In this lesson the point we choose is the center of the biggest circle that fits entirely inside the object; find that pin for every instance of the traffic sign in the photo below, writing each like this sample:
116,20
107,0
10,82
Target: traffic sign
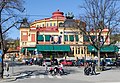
0,52
0,60
1,56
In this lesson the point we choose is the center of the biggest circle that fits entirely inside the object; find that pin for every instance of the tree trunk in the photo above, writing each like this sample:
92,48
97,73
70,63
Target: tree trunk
98,53
2,48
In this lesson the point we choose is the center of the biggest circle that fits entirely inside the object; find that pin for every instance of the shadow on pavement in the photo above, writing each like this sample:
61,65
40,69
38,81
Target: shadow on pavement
28,74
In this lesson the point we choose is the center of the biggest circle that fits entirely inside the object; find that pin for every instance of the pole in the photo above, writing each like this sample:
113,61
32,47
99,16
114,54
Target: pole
2,48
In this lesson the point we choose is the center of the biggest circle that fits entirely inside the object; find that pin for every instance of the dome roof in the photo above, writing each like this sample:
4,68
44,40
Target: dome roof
57,14
24,23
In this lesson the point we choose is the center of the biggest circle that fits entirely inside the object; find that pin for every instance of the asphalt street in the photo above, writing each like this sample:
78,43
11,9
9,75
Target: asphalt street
36,74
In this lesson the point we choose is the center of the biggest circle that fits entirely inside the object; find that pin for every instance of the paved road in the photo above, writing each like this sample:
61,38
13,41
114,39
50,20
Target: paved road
34,73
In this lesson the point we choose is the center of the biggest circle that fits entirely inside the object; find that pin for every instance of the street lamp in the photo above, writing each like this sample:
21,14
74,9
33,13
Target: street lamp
93,51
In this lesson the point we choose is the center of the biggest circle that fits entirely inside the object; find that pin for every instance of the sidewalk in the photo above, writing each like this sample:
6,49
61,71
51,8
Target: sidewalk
112,75
8,79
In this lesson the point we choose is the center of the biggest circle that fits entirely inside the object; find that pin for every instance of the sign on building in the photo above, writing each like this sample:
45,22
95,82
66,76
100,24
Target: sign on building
0,56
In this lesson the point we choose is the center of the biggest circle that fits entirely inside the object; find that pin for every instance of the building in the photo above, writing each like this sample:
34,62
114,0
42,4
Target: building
55,36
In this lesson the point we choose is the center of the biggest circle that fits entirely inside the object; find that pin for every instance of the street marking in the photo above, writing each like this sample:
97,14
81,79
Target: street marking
41,76
33,76
59,77
50,76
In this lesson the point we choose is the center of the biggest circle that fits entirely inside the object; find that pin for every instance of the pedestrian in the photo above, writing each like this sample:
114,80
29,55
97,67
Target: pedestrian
35,60
46,68
93,68
7,68
86,72
103,65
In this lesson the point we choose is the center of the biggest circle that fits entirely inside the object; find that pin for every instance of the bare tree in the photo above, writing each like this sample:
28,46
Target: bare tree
9,10
99,15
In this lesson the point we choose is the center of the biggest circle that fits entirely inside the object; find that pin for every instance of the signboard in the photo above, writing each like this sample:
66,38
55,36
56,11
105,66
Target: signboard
0,52
0,56
0,60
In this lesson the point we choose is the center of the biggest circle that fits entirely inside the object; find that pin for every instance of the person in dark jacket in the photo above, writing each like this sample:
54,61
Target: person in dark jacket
87,69
7,68
103,65
93,68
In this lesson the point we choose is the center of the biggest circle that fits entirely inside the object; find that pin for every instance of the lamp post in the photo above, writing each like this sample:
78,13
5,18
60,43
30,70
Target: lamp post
93,51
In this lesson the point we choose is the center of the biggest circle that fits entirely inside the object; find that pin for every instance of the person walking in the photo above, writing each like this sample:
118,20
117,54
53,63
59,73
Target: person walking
93,68
46,68
103,65
7,68
86,72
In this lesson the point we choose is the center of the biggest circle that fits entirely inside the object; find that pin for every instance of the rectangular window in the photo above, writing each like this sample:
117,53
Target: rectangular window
47,37
24,33
33,37
40,38
65,37
76,37
71,38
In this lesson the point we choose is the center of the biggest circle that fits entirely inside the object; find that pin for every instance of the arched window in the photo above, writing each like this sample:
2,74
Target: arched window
47,24
54,24
50,24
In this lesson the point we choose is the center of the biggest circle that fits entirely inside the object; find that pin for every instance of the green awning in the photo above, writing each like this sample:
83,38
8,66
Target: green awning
91,48
40,38
47,37
31,48
71,37
53,48
61,48
44,47
28,49
111,48
22,50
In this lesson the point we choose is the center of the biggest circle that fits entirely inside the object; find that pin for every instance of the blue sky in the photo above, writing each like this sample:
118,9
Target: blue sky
44,8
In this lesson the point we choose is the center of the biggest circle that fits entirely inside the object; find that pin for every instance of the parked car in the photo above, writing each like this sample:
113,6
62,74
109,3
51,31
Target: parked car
66,62
47,62
117,63
39,61
109,62
80,62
